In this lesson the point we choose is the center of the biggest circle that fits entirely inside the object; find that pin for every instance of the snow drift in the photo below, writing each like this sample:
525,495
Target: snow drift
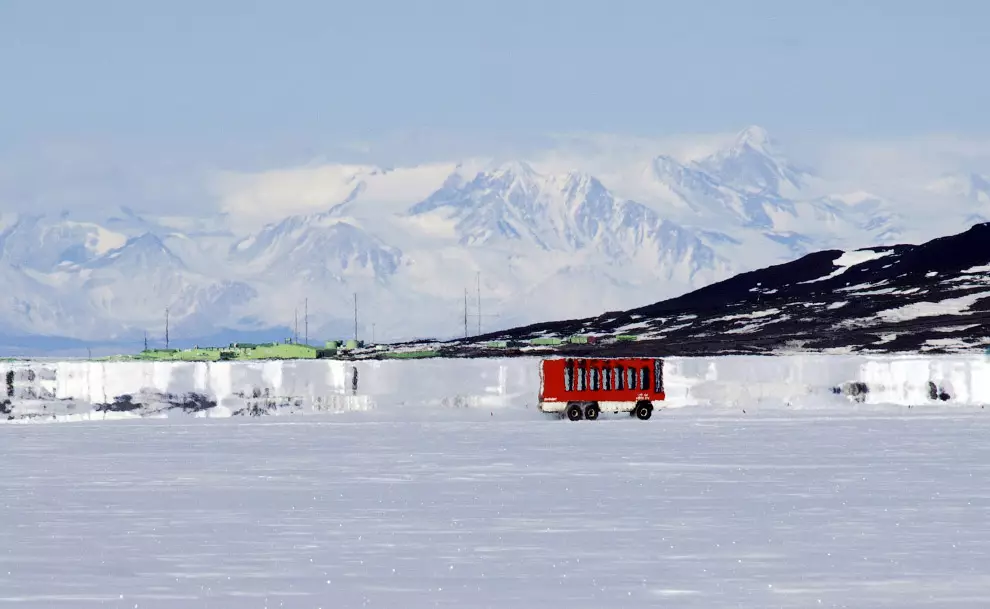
86,390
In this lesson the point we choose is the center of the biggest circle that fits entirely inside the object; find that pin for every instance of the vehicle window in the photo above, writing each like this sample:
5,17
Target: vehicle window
569,375
631,374
644,378
595,379
658,375
607,378
580,377
620,377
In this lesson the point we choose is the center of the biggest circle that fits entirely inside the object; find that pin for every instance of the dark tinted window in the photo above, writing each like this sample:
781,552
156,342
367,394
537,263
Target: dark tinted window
658,375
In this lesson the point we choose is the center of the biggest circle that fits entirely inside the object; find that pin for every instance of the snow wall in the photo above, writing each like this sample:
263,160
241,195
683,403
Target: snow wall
85,390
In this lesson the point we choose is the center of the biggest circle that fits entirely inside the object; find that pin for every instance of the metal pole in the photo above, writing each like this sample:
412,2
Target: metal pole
166,327
479,303
295,332
355,316
465,313
307,321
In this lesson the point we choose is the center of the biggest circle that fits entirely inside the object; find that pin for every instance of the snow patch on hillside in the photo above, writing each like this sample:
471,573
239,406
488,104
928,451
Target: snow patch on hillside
949,306
848,260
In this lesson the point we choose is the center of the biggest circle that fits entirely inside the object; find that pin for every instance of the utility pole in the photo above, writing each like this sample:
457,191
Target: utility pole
166,327
145,340
306,322
465,313
372,334
295,332
355,316
479,303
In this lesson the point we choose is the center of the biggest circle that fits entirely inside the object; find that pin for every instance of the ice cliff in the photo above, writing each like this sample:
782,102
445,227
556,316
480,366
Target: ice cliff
86,390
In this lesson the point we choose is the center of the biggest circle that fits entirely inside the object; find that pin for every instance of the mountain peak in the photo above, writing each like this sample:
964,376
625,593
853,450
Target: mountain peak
145,251
755,137
513,169
754,165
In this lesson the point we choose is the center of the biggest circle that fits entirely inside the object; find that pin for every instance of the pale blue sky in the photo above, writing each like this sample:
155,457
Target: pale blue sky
264,69
223,80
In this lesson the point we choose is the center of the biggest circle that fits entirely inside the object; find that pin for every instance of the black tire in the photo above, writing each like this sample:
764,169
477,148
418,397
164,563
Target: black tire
574,412
644,410
591,411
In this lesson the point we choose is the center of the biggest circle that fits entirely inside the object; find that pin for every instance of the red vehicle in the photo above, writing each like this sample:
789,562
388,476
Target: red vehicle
584,387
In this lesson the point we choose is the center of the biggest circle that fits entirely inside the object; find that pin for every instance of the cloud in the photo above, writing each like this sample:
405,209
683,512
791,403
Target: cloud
254,199
89,177
254,186
607,153
900,168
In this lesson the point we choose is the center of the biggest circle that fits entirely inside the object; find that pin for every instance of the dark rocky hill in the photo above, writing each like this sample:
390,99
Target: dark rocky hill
933,297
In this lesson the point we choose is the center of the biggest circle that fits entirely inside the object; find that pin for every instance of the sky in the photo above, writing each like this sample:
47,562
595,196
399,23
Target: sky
123,100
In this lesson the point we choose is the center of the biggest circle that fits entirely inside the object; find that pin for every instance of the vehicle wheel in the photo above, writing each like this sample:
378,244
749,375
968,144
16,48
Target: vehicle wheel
574,412
591,411
644,410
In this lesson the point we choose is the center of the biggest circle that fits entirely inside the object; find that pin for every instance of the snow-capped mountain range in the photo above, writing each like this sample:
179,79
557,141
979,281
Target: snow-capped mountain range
413,243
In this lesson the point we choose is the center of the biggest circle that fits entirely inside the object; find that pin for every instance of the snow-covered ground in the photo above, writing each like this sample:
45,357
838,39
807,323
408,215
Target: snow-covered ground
469,509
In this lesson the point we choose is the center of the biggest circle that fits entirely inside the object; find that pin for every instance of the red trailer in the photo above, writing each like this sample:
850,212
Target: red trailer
584,387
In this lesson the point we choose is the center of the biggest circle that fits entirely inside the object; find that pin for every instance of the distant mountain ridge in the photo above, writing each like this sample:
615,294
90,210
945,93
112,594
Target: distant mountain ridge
543,244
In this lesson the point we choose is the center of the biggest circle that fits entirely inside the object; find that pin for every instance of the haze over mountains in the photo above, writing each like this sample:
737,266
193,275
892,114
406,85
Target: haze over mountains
548,242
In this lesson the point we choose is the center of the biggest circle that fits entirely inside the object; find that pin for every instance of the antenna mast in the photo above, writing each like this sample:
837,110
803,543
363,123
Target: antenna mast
306,322
166,327
355,316
479,303
465,313
295,332
145,340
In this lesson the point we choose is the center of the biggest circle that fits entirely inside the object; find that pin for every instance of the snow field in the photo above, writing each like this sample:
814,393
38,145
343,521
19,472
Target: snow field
690,509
